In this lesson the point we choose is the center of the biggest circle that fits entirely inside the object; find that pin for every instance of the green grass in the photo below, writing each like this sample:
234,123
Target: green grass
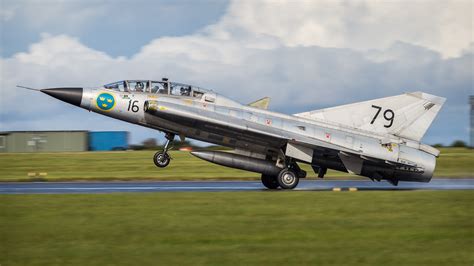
139,165
455,162
239,228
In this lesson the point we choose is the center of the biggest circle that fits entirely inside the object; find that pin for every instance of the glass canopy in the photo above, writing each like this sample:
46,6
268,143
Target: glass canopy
159,87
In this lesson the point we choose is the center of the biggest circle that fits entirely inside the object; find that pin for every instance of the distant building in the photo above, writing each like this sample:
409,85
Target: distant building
62,141
471,143
108,141
43,141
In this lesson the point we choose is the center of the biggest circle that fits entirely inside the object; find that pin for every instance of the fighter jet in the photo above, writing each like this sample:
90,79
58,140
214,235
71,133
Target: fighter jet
378,139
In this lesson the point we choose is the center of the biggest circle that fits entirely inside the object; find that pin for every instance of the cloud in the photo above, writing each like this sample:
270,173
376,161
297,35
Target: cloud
58,51
444,26
7,13
117,27
57,13
249,53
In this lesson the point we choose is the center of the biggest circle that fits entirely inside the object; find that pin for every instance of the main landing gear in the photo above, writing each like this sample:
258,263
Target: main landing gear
162,158
270,181
287,178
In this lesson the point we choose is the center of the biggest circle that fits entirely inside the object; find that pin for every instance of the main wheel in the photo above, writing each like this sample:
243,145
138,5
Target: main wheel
287,179
270,181
161,159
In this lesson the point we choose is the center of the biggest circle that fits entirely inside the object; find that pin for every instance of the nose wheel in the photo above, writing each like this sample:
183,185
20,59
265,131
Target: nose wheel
162,158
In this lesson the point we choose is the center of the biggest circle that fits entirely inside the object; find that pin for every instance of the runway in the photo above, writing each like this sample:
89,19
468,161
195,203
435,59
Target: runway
176,186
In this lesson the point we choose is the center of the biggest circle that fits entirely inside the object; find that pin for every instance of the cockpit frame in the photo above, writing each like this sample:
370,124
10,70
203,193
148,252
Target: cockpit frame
159,87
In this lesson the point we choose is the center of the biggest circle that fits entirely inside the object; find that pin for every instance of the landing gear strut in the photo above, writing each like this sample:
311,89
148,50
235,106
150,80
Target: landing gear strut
162,158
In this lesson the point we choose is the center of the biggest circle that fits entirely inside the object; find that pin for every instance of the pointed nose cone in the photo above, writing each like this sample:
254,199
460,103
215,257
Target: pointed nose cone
69,95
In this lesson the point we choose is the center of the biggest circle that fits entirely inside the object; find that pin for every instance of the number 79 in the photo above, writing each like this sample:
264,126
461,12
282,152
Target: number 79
388,115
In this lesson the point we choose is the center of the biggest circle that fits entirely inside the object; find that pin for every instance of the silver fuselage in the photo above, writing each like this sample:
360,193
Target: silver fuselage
263,134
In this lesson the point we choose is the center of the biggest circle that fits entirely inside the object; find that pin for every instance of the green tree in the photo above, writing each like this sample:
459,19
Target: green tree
459,144
149,143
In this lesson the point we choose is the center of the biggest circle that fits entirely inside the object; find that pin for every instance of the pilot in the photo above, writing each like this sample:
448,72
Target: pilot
188,91
185,91
139,87
165,85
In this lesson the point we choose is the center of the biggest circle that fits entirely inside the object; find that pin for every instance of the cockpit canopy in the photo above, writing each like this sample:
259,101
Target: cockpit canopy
159,87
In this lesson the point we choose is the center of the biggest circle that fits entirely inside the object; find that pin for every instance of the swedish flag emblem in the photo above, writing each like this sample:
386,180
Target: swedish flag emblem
105,101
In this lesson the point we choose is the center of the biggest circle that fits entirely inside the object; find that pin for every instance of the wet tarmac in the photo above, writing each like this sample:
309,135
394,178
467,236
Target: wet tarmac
181,186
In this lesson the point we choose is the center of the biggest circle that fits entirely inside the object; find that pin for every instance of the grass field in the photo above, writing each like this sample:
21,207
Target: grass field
453,162
239,228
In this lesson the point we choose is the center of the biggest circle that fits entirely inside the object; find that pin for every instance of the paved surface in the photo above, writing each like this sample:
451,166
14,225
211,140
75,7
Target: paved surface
315,185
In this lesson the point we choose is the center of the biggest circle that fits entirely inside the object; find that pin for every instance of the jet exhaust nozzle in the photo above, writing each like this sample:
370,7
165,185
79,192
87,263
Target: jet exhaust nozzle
238,161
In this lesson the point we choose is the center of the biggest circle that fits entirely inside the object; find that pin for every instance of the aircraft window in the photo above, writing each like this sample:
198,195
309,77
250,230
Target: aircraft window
180,90
158,87
116,86
186,91
138,85
197,94
175,90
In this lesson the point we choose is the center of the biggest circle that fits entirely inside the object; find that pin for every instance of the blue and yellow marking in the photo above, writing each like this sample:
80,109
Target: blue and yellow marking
105,101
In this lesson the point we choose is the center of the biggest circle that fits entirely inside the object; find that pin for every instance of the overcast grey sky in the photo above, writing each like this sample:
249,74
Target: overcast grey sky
305,55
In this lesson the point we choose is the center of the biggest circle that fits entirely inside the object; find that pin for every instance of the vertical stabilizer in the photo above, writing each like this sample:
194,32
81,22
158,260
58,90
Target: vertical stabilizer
408,115
262,103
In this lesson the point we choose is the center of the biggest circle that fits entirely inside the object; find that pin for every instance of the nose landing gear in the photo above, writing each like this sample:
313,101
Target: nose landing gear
162,158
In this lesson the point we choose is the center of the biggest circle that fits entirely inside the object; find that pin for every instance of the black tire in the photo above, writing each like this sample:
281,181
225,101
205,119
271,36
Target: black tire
161,159
288,179
270,182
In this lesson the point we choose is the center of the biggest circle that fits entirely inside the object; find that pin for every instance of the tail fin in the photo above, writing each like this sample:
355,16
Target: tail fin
262,103
408,115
